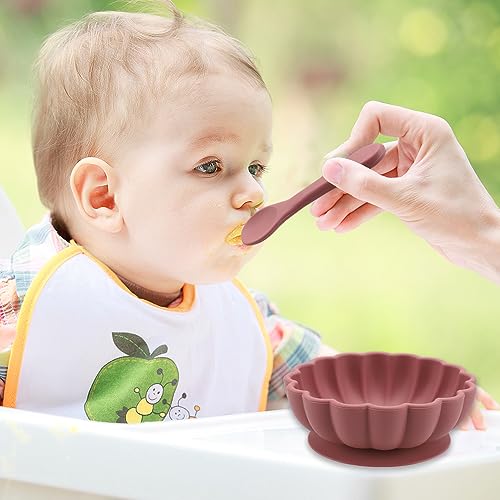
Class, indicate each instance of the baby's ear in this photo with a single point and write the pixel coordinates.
(93, 184)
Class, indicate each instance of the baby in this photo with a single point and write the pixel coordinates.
(151, 135)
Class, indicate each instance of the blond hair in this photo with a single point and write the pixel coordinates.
(98, 76)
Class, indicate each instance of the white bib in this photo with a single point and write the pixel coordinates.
(86, 347)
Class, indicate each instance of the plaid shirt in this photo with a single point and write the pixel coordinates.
(292, 343)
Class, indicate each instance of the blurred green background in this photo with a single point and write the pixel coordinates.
(379, 287)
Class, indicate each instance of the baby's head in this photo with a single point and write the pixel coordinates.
(150, 137)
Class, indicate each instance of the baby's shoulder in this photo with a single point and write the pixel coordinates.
(266, 307)
(39, 244)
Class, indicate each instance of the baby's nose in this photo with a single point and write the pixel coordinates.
(249, 195)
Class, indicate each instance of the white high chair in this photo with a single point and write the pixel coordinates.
(11, 228)
(245, 457)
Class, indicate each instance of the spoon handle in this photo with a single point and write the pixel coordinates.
(368, 156)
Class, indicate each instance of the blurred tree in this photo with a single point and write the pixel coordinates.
(28, 7)
(228, 13)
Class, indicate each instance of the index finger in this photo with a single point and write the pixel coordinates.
(395, 121)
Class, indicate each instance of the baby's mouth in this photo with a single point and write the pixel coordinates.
(234, 237)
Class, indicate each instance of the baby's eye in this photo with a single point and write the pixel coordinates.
(210, 167)
(256, 169)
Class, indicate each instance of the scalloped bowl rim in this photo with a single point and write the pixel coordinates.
(291, 384)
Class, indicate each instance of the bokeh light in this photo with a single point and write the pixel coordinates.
(380, 287)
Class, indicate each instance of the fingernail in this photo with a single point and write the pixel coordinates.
(332, 171)
(319, 223)
(497, 406)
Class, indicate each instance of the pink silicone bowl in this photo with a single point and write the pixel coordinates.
(380, 409)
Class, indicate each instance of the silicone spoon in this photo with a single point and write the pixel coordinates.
(261, 225)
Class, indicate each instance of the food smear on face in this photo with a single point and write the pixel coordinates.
(234, 237)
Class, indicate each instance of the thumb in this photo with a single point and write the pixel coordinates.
(363, 183)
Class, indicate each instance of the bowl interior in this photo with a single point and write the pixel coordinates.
(381, 379)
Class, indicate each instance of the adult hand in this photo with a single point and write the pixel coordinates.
(425, 179)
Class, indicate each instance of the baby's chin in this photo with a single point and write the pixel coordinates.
(228, 270)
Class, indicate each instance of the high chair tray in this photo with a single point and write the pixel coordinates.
(249, 456)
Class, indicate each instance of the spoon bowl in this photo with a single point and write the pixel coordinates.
(267, 220)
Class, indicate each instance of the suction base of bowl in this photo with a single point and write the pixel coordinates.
(378, 458)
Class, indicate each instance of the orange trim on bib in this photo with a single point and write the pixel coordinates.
(24, 319)
(267, 341)
(188, 290)
(34, 290)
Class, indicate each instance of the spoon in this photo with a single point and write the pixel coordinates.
(263, 223)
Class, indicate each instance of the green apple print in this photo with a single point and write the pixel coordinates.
(135, 388)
